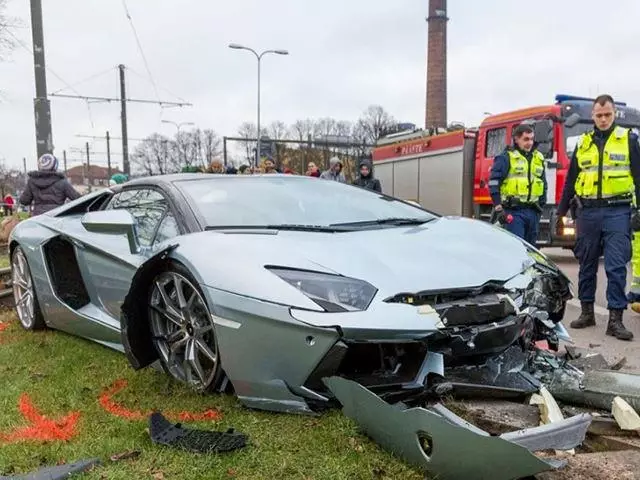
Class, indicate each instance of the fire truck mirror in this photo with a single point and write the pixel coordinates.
(572, 120)
(545, 149)
(543, 131)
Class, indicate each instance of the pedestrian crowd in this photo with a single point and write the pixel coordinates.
(364, 179)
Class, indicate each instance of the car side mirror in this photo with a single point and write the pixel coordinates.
(113, 222)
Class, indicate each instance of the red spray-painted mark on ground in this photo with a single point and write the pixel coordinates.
(40, 427)
(110, 405)
(4, 326)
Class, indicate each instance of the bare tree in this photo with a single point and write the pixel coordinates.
(247, 131)
(277, 130)
(156, 155)
(209, 146)
(326, 126)
(183, 146)
(301, 130)
(373, 123)
(11, 179)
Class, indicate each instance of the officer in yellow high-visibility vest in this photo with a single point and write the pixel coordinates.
(518, 185)
(602, 181)
(634, 292)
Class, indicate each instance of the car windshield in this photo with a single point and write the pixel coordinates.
(271, 200)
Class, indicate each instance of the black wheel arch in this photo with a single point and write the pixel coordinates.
(134, 316)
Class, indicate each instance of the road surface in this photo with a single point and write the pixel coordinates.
(611, 348)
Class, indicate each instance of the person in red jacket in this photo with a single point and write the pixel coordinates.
(8, 204)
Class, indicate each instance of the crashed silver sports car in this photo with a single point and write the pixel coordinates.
(265, 285)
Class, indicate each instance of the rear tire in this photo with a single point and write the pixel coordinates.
(183, 331)
(24, 294)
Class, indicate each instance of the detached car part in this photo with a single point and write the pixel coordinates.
(164, 432)
(594, 388)
(443, 444)
(58, 472)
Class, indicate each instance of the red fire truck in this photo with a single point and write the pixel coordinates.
(448, 173)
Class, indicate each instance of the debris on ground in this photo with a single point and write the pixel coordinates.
(125, 456)
(58, 472)
(163, 432)
(444, 438)
(549, 410)
(625, 415)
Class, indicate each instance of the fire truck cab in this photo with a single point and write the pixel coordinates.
(449, 173)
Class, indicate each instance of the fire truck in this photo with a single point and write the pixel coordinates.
(448, 172)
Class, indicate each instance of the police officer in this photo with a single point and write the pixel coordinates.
(518, 185)
(634, 292)
(603, 177)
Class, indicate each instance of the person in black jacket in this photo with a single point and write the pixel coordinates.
(46, 188)
(365, 178)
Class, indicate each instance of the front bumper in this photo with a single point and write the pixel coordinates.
(276, 357)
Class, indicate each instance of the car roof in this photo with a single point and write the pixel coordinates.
(163, 180)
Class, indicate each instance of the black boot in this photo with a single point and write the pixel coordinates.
(616, 328)
(587, 318)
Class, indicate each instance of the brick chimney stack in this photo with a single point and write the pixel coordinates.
(436, 115)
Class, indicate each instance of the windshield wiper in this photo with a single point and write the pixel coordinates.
(289, 227)
(395, 221)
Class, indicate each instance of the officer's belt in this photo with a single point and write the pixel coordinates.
(618, 201)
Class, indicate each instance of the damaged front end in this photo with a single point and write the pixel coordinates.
(481, 343)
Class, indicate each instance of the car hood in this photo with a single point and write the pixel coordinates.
(447, 253)
(442, 254)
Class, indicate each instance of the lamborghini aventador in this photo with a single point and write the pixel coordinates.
(265, 285)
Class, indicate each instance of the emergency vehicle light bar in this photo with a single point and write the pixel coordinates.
(561, 97)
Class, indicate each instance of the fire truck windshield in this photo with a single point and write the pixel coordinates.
(571, 134)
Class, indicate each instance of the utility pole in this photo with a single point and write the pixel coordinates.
(224, 150)
(41, 105)
(89, 168)
(123, 117)
(64, 156)
(109, 155)
(24, 165)
(123, 112)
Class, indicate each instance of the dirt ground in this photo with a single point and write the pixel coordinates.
(621, 465)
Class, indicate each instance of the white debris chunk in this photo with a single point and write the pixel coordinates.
(549, 411)
(625, 415)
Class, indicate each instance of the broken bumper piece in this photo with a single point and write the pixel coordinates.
(57, 472)
(439, 442)
(164, 432)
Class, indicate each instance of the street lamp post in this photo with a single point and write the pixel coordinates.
(259, 58)
(178, 126)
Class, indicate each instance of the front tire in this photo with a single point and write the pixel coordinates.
(183, 330)
(24, 294)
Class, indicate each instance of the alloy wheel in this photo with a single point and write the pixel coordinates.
(183, 330)
(23, 292)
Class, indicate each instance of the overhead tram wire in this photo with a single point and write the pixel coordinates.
(92, 77)
(140, 49)
(52, 72)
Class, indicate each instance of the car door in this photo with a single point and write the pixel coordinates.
(107, 262)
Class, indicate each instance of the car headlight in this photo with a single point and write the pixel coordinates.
(334, 293)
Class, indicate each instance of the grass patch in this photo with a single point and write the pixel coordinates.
(63, 373)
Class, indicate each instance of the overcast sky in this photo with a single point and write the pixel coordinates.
(344, 56)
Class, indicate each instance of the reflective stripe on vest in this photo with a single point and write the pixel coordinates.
(616, 176)
(525, 179)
